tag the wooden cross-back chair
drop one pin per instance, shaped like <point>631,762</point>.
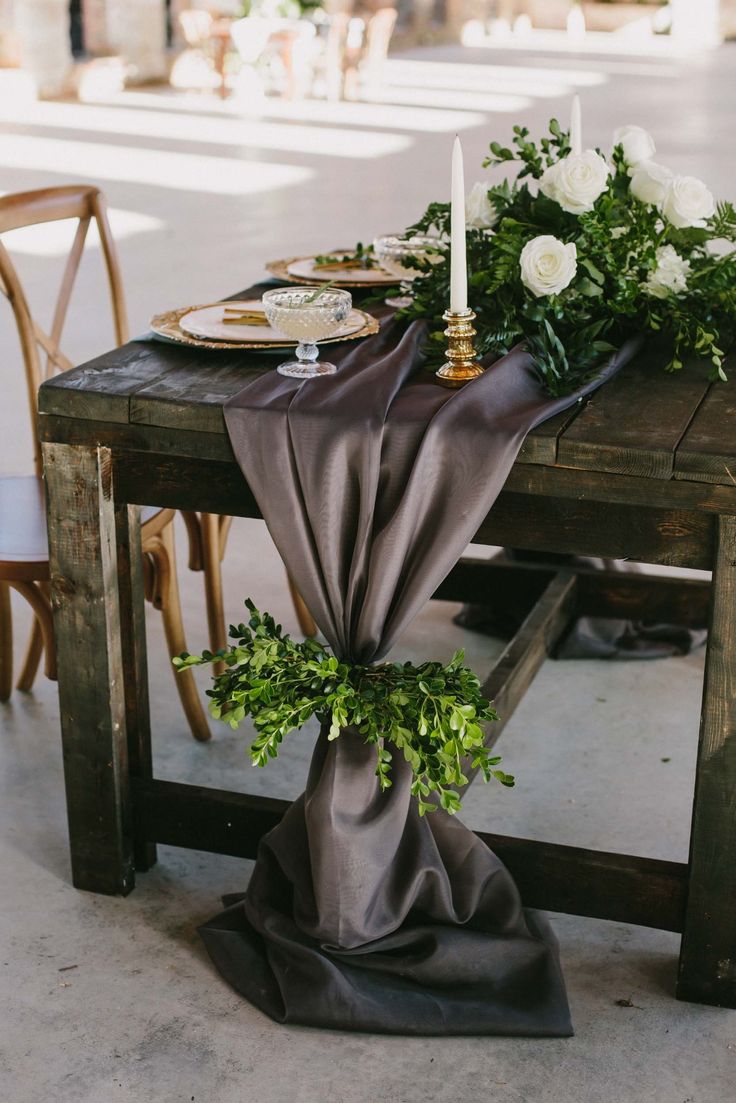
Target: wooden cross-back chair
<point>23,547</point>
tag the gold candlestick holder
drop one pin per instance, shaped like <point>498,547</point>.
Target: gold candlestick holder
<point>461,364</point>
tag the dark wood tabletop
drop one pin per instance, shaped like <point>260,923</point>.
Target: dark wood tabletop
<point>646,422</point>
<point>646,438</point>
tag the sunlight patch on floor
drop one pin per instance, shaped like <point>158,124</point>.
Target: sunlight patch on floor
<point>501,80</point>
<point>228,130</point>
<point>345,113</point>
<point>180,171</point>
<point>448,97</point>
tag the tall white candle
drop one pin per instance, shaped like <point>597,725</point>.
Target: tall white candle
<point>576,127</point>
<point>458,265</point>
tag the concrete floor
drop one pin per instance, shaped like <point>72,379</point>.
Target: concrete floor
<point>109,999</point>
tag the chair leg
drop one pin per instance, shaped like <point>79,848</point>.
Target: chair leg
<point>225,526</point>
<point>212,548</point>
<point>212,533</point>
<point>194,533</point>
<point>166,598</point>
<point>6,643</point>
<point>305,618</point>
<point>32,658</point>
<point>42,634</point>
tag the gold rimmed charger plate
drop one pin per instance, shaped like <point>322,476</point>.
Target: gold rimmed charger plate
<point>167,325</point>
<point>280,269</point>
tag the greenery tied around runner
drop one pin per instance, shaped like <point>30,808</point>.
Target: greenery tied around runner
<point>580,250</point>
<point>431,714</point>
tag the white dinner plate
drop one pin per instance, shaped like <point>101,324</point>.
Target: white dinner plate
<point>304,269</point>
<point>206,322</point>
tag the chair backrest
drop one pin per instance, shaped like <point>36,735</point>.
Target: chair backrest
<point>196,26</point>
<point>85,204</point>
<point>250,36</point>
<point>378,35</point>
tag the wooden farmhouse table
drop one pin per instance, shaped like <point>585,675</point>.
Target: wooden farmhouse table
<point>646,470</point>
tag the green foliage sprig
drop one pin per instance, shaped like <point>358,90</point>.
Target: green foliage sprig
<point>432,714</point>
<point>362,256</point>
<point>535,159</point>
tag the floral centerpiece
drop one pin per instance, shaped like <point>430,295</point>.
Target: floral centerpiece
<point>578,253</point>
<point>581,251</point>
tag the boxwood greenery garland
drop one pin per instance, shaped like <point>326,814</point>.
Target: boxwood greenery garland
<point>432,714</point>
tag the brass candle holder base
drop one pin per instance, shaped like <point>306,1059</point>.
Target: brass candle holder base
<point>461,364</point>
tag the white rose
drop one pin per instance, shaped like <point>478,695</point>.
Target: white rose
<point>638,144</point>
<point>576,181</point>
<point>670,275</point>
<point>548,181</point>
<point>687,202</point>
<point>649,182</point>
<point>548,265</point>
<point>479,211</point>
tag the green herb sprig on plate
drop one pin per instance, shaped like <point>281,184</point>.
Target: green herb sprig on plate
<point>362,256</point>
<point>431,714</point>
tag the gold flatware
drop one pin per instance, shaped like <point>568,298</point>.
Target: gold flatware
<point>245,320</point>
<point>333,263</point>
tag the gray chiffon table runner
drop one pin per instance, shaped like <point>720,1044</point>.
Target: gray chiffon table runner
<point>360,915</point>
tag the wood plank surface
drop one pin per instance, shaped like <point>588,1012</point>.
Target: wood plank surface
<point>527,478</point>
<point>204,486</point>
<point>192,396</point>
<point>633,424</point>
<point>134,439</point>
<point>678,538</point>
<point>101,388</point>
<point>675,537</point>
<point>540,445</point>
<point>599,486</point>
<point>194,452</point>
<point>568,879</point>
<point>708,955</point>
<point>707,452</point>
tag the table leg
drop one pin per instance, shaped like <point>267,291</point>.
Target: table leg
<point>135,665</point>
<point>708,954</point>
<point>83,551</point>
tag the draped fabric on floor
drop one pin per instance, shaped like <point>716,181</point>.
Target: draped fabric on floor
<point>359,914</point>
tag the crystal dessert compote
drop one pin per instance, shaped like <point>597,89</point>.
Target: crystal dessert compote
<point>307,315</point>
<point>393,250</point>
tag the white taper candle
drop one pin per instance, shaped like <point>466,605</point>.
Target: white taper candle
<point>458,264</point>
<point>576,127</point>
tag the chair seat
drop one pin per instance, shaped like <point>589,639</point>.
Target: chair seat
<point>23,519</point>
